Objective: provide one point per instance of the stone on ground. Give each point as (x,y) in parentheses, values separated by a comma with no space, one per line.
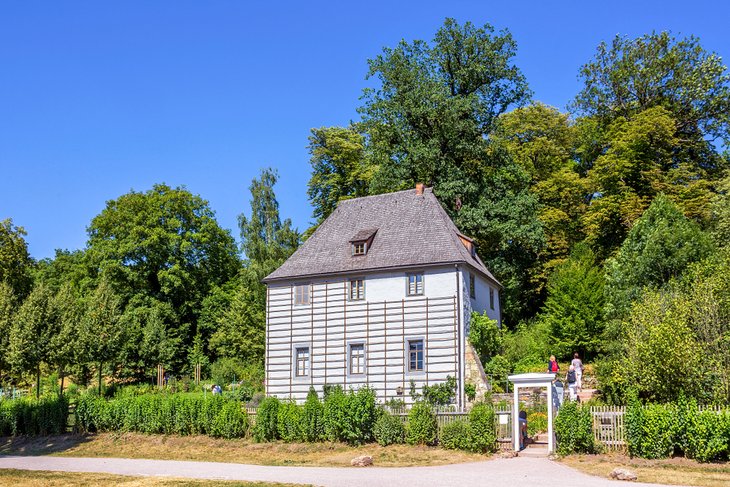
(362,461)
(623,474)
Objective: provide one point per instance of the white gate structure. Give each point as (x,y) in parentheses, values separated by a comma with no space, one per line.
(529,381)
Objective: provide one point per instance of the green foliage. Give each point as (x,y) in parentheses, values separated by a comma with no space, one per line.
(651,430)
(231,421)
(422,427)
(483,429)
(456,435)
(708,436)
(537,422)
(470,391)
(350,417)
(574,429)
(527,347)
(389,430)
(441,394)
(339,168)
(16,264)
(661,244)
(485,335)
(313,424)
(573,310)
(45,416)
(267,416)
(289,422)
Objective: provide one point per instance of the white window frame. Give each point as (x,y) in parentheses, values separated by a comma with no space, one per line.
(415,275)
(298,296)
(307,371)
(409,370)
(360,295)
(361,362)
(356,246)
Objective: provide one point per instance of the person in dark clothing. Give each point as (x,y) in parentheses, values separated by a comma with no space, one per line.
(572,381)
(553,366)
(523,429)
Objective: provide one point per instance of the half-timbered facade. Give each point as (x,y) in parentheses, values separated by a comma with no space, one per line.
(379,295)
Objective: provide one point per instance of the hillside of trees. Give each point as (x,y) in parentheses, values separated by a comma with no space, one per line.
(607,223)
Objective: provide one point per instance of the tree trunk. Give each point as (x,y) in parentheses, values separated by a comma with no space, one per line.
(60,372)
(100,364)
(38,383)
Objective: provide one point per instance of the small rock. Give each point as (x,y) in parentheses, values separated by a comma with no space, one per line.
(623,474)
(508,454)
(362,461)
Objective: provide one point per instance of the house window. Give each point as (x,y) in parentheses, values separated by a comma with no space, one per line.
(415,355)
(357,289)
(472,287)
(491,297)
(302,359)
(415,284)
(357,358)
(302,294)
(359,248)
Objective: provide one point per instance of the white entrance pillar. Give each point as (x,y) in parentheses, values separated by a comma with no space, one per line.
(532,380)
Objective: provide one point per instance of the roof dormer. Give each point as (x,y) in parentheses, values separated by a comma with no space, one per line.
(468,243)
(362,241)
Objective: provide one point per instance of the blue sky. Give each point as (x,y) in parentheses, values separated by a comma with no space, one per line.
(97,98)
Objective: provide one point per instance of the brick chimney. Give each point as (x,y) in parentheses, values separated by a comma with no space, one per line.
(419,188)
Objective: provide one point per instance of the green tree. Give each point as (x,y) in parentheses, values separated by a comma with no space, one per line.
(573,309)
(339,168)
(629,76)
(241,329)
(67,311)
(15,261)
(31,334)
(100,332)
(8,308)
(661,244)
(164,245)
(485,335)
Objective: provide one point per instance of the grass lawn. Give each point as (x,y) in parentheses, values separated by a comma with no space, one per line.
(674,471)
(42,478)
(204,448)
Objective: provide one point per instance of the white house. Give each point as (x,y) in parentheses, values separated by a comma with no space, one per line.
(379,295)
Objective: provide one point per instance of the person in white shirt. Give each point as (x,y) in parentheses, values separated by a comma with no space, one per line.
(578,365)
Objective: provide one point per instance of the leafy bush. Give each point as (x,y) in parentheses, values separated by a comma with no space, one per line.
(574,429)
(440,394)
(483,428)
(537,422)
(389,430)
(265,428)
(708,436)
(350,416)
(485,335)
(422,427)
(456,435)
(312,418)
(46,416)
(230,422)
(651,430)
(470,390)
(289,422)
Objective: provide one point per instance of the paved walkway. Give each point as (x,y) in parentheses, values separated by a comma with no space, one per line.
(511,472)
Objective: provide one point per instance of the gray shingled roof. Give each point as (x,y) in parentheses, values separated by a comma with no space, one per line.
(412,230)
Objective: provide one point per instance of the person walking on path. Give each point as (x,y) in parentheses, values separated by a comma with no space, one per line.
(578,365)
(571,380)
(553,366)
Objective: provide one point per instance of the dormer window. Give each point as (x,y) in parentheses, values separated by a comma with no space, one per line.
(359,248)
(362,241)
(468,243)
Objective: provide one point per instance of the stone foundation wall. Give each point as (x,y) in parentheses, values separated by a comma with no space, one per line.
(475,374)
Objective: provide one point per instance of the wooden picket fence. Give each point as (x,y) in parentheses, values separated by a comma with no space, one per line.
(609,429)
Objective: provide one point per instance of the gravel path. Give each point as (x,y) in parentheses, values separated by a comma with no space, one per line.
(511,472)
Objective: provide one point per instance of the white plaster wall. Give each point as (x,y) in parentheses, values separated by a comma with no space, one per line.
(480,303)
(390,286)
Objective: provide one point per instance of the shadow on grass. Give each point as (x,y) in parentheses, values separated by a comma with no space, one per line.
(41,445)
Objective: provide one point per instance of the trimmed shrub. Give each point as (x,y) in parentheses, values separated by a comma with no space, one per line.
(574,429)
(483,429)
(389,430)
(289,422)
(456,435)
(312,418)
(422,427)
(265,428)
(231,421)
(708,436)
(46,416)
(651,431)
(350,417)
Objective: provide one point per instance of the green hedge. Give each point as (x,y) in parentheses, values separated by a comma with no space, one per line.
(574,429)
(46,416)
(422,427)
(389,430)
(163,414)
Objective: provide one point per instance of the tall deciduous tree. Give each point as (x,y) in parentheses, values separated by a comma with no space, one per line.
(8,308)
(15,261)
(339,168)
(164,245)
(100,332)
(430,120)
(67,312)
(31,334)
